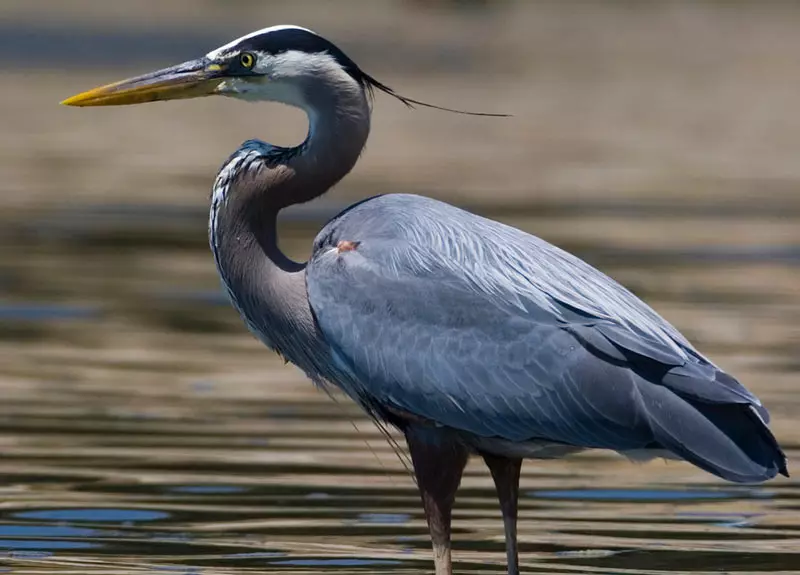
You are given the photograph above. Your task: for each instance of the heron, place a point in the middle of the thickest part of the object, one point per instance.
(468, 336)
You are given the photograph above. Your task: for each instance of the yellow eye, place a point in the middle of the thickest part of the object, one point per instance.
(247, 60)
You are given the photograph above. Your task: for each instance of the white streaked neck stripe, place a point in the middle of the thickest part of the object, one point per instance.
(214, 53)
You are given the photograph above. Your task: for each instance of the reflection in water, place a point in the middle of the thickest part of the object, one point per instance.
(43, 313)
(99, 515)
(157, 436)
(637, 495)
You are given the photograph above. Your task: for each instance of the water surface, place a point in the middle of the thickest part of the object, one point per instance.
(143, 431)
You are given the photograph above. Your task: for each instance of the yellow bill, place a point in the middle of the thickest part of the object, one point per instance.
(188, 80)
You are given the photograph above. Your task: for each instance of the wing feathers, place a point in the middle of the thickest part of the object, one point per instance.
(485, 329)
(720, 439)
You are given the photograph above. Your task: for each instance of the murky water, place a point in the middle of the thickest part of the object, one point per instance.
(143, 431)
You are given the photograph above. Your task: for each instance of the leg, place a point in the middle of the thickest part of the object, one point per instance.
(505, 472)
(439, 462)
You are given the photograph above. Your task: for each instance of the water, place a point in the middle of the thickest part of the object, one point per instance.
(143, 431)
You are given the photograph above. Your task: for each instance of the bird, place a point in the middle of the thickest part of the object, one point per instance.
(468, 336)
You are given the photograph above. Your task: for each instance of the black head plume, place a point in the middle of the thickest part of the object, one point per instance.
(281, 39)
(371, 84)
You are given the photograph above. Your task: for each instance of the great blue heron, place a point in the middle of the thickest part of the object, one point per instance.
(467, 335)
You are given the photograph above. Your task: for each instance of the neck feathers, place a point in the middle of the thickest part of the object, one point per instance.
(338, 111)
(339, 122)
(266, 287)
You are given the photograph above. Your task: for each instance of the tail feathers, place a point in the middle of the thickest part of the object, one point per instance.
(729, 440)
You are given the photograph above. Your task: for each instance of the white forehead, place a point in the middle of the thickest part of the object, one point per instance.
(214, 53)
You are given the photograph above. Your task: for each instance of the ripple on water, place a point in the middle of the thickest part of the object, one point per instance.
(30, 312)
(643, 494)
(208, 489)
(721, 519)
(45, 544)
(48, 531)
(384, 518)
(94, 515)
(337, 562)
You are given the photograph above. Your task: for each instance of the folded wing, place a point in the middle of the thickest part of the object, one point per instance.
(486, 329)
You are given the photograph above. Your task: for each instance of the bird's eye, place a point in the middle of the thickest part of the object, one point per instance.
(247, 60)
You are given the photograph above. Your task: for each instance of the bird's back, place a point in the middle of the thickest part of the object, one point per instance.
(487, 329)
(492, 253)
(522, 268)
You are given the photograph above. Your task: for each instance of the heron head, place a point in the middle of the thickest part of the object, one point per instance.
(279, 64)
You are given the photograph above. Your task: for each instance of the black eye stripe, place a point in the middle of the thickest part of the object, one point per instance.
(292, 39)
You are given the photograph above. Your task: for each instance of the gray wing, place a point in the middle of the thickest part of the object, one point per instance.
(483, 328)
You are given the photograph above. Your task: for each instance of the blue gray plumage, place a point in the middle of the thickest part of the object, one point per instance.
(469, 336)
(486, 329)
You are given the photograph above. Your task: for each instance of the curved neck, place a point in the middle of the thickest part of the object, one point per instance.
(257, 182)
(339, 123)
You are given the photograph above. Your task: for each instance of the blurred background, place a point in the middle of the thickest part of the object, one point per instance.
(142, 428)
